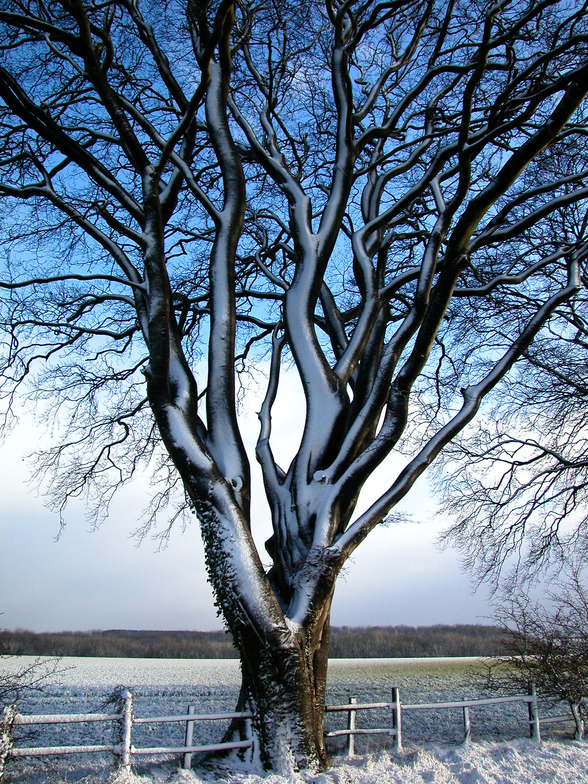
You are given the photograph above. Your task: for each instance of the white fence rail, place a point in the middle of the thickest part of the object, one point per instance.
(397, 708)
(125, 750)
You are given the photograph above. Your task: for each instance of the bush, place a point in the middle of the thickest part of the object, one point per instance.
(547, 642)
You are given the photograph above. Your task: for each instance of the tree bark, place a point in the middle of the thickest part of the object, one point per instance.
(284, 686)
(287, 700)
(579, 721)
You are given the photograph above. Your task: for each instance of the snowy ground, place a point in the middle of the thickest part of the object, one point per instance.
(515, 762)
(432, 752)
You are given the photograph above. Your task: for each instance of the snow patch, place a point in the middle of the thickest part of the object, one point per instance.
(179, 381)
(519, 762)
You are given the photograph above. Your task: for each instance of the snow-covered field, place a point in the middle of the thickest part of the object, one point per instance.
(432, 751)
(516, 762)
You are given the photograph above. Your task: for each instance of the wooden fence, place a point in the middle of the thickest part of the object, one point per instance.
(125, 750)
(397, 709)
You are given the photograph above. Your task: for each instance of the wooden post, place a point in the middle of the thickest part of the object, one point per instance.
(6, 742)
(351, 715)
(127, 728)
(534, 714)
(467, 728)
(397, 718)
(189, 738)
(249, 733)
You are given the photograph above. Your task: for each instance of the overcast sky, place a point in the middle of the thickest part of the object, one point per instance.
(103, 580)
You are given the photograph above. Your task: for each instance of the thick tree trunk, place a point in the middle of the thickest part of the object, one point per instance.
(288, 711)
(284, 684)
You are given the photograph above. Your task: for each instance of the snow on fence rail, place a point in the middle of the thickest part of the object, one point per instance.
(125, 750)
(396, 707)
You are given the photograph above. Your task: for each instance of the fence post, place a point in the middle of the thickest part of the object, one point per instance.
(534, 714)
(188, 739)
(397, 718)
(127, 728)
(351, 715)
(6, 742)
(249, 733)
(467, 727)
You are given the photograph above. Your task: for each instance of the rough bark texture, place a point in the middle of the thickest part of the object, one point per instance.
(285, 685)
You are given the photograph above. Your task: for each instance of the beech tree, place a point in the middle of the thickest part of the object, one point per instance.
(195, 190)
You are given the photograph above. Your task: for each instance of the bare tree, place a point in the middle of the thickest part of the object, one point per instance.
(547, 642)
(18, 680)
(24, 679)
(516, 488)
(193, 189)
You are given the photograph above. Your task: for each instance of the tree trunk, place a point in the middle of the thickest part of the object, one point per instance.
(579, 721)
(284, 684)
(288, 711)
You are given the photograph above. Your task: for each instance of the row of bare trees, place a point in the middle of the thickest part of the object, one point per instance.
(346, 642)
(119, 643)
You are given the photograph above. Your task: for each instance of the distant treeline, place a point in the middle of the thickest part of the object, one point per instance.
(125, 643)
(346, 642)
(408, 641)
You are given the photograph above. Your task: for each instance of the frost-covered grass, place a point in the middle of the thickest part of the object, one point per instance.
(432, 751)
(515, 762)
